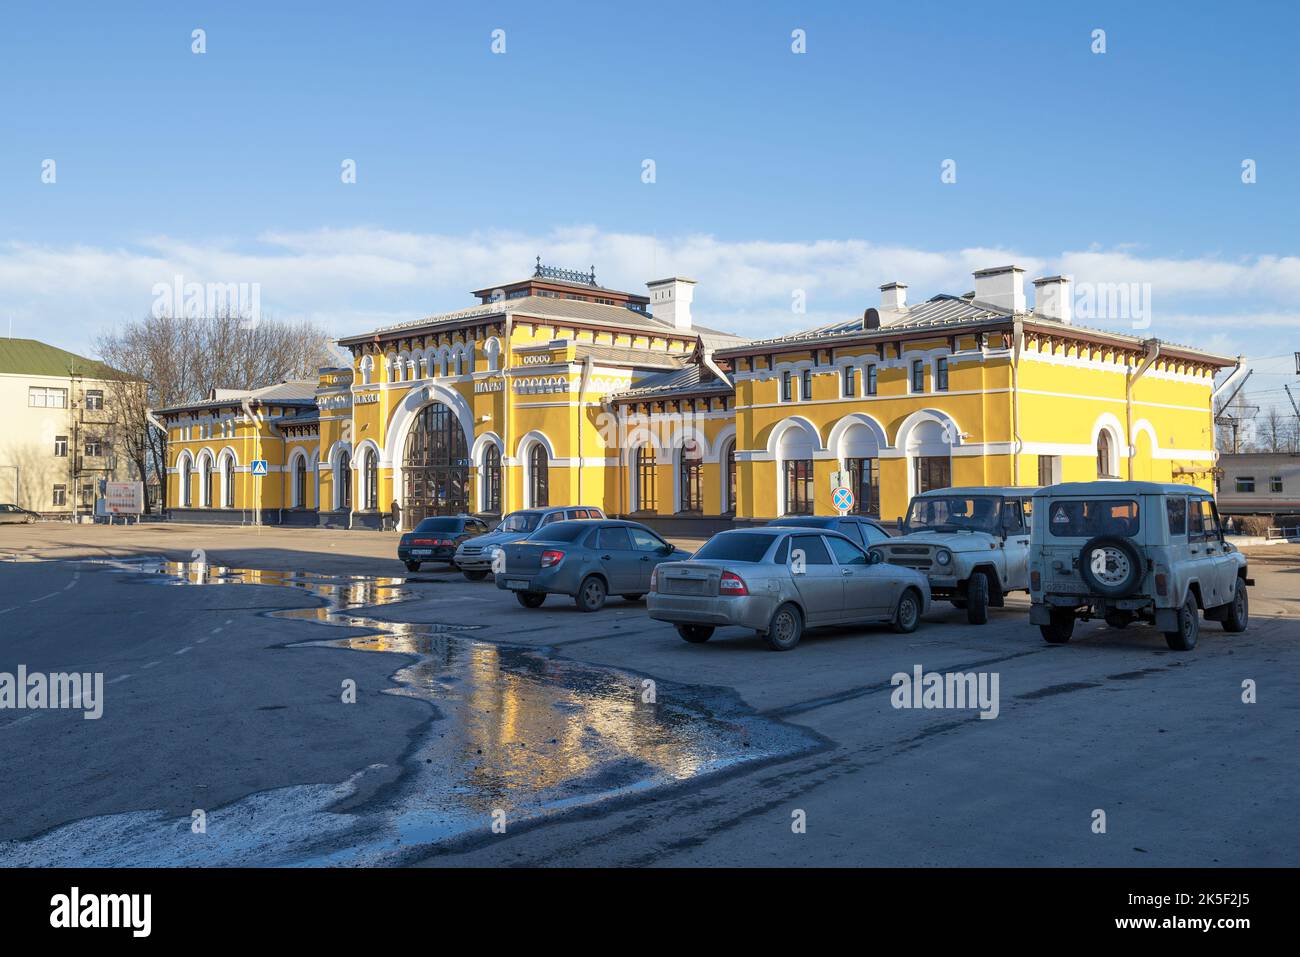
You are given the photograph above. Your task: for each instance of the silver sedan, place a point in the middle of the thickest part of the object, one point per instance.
(779, 581)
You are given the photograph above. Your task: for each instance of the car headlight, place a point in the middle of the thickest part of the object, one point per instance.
(943, 558)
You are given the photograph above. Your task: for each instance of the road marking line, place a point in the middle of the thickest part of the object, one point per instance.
(5, 611)
(152, 663)
(117, 679)
(183, 650)
(215, 630)
(21, 720)
(42, 598)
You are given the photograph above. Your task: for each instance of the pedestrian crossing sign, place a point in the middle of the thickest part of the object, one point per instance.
(259, 466)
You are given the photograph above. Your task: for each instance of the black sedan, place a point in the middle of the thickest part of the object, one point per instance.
(860, 530)
(16, 515)
(587, 560)
(436, 539)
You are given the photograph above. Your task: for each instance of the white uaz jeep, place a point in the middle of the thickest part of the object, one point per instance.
(1134, 551)
(972, 543)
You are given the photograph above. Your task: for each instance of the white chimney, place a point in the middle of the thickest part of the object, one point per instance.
(670, 301)
(1053, 298)
(1002, 286)
(893, 296)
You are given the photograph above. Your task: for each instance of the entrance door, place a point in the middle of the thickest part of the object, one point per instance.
(435, 466)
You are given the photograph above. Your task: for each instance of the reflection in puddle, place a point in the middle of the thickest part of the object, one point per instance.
(519, 734)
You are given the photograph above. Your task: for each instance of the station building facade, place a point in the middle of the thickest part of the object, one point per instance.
(556, 390)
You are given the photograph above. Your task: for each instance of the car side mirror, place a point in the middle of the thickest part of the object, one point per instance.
(667, 549)
(899, 522)
(875, 558)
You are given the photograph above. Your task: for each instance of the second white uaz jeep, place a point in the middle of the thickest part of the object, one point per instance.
(1134, 551)
(972, 543)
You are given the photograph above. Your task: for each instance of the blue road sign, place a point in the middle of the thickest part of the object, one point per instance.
(842, 499)
(259, 466)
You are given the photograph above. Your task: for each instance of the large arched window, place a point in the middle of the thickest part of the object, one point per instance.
(370, 481)
(492, 479)
(647, 467)
(228, 482)
(1104, 455)
(187, 485)
(343, 482)
(435, 468)
(691, 477)
(729, 489)
(539, 479)
(794, 453)
(300, 482)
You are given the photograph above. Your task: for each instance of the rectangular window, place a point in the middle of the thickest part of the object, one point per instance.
(864, 478)
(61, 446)
(1087, 518)
(94, 448)
(805, 385)
(1176, 509)
(60, 496)
(1245, 483)
(871, 380)
(850, 381)
(799, 487)
(42, 398)
(1275, 483)
(941, 375)
(786, 387)
(1048, 469)
(94, 398)
(933, 471)
(918, 375)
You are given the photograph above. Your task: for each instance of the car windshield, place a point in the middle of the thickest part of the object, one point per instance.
(520, 522)
(439, 525)
(561, 532)
(954, 513)
(1086, 518)
(735, 547)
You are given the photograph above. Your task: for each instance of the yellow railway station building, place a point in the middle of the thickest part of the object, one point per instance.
(554, 390)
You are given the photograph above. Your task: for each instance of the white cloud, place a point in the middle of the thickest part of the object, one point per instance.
(356, 278)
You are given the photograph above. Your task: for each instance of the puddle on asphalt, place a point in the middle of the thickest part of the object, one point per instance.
(520, 735)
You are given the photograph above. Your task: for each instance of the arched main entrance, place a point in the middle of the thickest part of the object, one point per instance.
(435, 466)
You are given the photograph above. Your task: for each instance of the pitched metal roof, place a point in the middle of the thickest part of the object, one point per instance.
(554, 309)
(691, 380)
(626, 355)
(32, 357)
(300, 392)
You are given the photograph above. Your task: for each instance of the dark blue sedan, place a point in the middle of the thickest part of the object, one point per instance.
(586, 560)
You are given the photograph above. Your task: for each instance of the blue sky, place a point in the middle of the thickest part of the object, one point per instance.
(774, 171)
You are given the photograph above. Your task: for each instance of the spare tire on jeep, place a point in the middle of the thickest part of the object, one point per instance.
(1111, 566)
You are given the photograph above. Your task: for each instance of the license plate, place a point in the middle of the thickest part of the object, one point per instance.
(421, 551)
(517, 585)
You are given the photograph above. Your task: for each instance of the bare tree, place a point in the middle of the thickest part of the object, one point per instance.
(182, 359)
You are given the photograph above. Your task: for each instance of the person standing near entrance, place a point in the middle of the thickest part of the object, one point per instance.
(397, 516)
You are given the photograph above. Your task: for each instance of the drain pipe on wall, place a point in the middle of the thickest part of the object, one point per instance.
(162, 483)
(1017, 345)
(1152, 347)
(587, 364)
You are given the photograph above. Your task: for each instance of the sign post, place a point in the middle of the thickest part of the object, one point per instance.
(123, 498)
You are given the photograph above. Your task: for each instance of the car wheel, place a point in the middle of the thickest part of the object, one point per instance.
(785, 628)
(31, 519)
(531, 599)
(977, 599)
(1111, 566)
(695, 634)
(1238, 610)
(1189, 626)
(591, 594)
(474, 576)
(908, 613)
(1060, 628)
(412, 566)
(633, 597)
